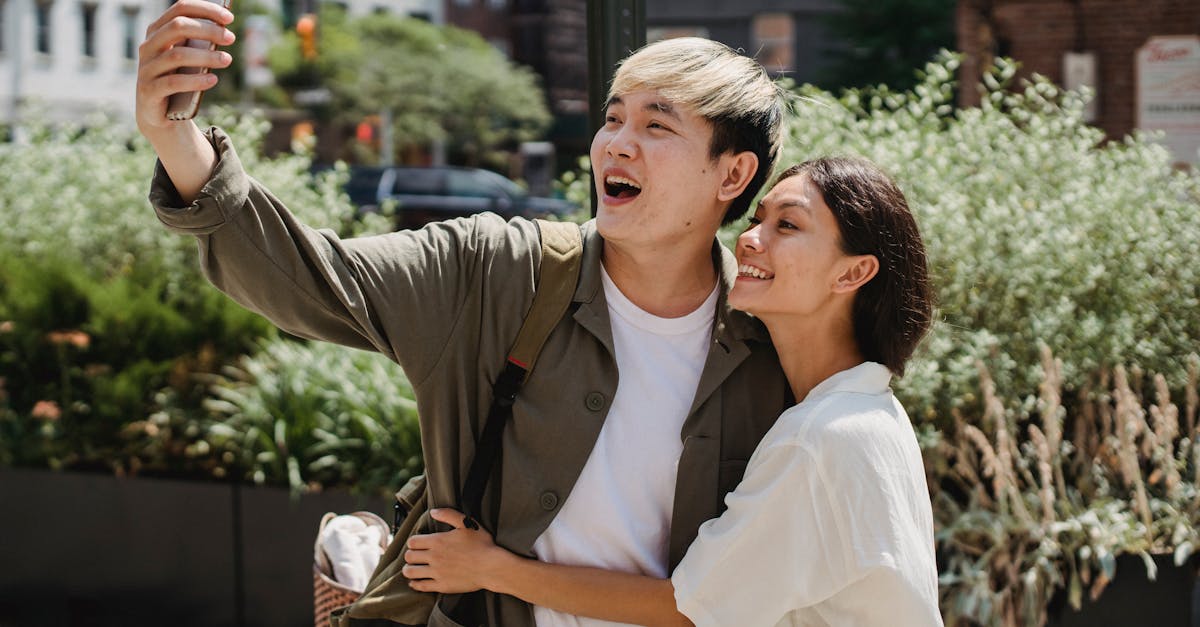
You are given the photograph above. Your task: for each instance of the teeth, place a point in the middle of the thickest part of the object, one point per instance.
(620, 180)
(751, 271)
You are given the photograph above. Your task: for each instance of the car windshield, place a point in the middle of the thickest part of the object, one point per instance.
(363, 184)
(480, 183)
(417, 181)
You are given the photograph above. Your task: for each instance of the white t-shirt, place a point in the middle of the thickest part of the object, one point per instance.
(618, 515)
(831, 525)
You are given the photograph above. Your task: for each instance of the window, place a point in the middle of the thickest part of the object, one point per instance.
(42, 36)
(464, 3)
(3, 23)
(129, 32)
(89, 30)
(774, 41)
(498, 5)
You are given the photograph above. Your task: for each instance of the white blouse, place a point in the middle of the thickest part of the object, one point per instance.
(831, 525)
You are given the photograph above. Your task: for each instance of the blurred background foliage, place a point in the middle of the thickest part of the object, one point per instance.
(437, 83)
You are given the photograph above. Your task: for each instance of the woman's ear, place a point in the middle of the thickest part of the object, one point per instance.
(739, 169)
(858, 270)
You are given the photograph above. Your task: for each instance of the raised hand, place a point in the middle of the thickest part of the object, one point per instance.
(186, 154)
(163, 53)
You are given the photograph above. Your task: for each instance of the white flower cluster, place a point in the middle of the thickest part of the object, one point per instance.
(1039, 230)
(79, 196)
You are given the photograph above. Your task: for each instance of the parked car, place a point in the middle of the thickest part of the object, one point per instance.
(427, 194)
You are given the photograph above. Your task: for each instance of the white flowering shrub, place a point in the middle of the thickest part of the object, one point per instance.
(79, 194)
(99, 304)
(1037, 230)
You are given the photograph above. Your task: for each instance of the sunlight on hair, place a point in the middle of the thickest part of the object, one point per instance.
(709, 77)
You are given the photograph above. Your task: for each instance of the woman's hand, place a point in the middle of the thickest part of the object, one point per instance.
(466, 559)
(453, 562)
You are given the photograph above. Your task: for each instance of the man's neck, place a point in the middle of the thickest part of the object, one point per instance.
(668, 283)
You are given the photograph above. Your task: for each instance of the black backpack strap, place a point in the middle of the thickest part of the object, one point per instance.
(562, 256)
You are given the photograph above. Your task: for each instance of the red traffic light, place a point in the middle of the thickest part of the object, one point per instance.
(306, 28)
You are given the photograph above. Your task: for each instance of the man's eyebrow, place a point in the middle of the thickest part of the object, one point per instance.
(657, 106)
(663, 107)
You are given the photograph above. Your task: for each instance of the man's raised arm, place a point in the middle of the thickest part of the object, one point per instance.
(403, 294)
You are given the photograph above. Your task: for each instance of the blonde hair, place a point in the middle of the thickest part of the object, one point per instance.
(730, 90)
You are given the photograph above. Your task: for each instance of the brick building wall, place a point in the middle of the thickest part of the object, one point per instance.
(550, 36)
(1037, 33)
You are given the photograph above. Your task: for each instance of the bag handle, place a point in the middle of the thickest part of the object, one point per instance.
(562, 257)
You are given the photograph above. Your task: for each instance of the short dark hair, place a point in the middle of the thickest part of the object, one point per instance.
(756, 131)
(894, 310)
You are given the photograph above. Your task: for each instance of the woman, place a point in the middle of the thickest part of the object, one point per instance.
(832, 523)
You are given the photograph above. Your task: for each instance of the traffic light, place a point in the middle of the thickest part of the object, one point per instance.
(306, 28)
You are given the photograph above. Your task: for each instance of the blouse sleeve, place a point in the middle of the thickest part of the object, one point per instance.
(775, 548)
(809, 521)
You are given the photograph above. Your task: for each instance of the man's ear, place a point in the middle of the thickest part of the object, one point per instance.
(858, 270)
(739, 169)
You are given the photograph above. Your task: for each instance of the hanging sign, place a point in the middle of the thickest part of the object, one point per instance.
(1168, 93)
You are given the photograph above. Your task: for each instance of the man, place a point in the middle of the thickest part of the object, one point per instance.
(650, 393)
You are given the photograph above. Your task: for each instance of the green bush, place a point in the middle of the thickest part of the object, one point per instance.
(96, 350)
(100, 306)
(309, 415)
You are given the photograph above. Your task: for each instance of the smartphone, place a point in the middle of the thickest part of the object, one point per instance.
(184, 105)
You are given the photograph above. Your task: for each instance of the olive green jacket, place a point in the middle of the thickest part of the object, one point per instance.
(446, 302)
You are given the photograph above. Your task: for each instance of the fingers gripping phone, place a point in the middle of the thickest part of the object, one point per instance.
(184, 105)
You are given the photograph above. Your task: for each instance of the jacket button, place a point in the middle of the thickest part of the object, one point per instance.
(549, 500)
(594, 401)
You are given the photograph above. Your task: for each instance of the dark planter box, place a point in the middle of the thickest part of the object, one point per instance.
(1171, 600)
(97, 550)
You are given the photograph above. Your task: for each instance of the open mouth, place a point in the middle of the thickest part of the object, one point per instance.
(753, 272)
(621, 187)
